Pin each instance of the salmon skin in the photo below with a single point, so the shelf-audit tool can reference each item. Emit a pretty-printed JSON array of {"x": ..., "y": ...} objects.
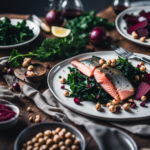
[
  {"x": 86, "y": 66},
  {"x": 111, "y": 79}
]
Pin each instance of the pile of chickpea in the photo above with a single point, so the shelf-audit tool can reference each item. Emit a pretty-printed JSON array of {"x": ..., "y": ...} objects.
[
  {"x": 58, "y": 139},
  {"x": 135, "y": 36}
]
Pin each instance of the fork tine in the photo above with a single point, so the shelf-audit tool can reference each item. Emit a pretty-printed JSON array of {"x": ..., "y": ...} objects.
[
  {"x": 128, "y": 52},
  {"x": 118, "y": 52}
]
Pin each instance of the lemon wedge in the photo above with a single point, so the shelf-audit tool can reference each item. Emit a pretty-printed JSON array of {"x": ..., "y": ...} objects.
[{"x": 60, "y": 32}]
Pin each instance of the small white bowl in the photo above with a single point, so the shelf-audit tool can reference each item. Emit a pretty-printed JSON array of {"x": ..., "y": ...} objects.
[{"x": 4, "y": 125}]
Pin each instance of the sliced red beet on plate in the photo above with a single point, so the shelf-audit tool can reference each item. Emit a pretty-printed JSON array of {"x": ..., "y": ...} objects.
[
  {"x": 140, "y": 25},
  {"x": 147, "y": 78},
  {"x": 142, "y": 90}
]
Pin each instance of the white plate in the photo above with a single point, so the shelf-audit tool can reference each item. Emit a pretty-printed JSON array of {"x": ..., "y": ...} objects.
[
  {"x": 88, "y": 108},
  {"x": 120, "y": 24},
  {"x": 36, "y": 32}
]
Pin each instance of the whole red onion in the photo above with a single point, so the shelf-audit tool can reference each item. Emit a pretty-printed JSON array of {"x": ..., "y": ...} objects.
[
  {"x": 16, "y": 86},
  {"x": 98, "y": 35},
  {"x": 54, "y": 18}
]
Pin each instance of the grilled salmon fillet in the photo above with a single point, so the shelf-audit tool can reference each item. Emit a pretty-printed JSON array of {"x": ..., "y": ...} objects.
[{"x": 111, "y": 79}]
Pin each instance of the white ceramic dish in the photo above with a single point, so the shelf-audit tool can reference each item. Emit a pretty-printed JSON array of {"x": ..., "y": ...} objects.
[
  {"x": 36, "y": 31},
  {"x": 88, "y": 108},
  {"x": 4, "y": 125},
  {"x": 120, "y": 24}
]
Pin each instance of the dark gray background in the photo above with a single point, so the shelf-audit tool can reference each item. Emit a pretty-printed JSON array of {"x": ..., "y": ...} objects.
[{"x": 38, "y": 7}]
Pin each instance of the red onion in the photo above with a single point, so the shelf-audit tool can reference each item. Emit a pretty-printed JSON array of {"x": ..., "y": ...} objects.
[
  {"x": 54, "y": 18},
  {"x": 97, "y": 96},
  {"x": 118, "y": 107},
  {"x": 16, "y": 86},
  {"x": 143, "y": 104},
  {"x": 63, "y": 87},
  {"x": 89, "y": 86},
  {"x": 134, "y": 106},
  {"x": 10, "y": 71},
  {"x": 138, "y": 66},
  {"x": 77, "y": 100},
  {"x": 98, "y": 35}
]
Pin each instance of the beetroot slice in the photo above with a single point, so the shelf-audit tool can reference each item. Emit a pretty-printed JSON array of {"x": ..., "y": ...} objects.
[
  {"x": 142, "y": 90},
  {"x": 142, "y": 32},
  {"x": 140, "y": 25},
  {"x": 132, "y": 21},
  {"x": 147, "y": 78}
]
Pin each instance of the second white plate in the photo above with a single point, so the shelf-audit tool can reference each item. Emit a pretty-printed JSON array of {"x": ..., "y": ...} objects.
[
  {"x": 120, "y": 24},
  {"x": 88, "y": 108}
]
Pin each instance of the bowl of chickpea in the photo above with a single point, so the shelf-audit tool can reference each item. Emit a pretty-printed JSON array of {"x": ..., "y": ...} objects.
[{"x": 50, "y": 136}]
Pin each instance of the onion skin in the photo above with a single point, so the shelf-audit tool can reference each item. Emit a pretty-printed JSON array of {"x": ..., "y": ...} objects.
[
  {"x": 54, "y": 18},
  {"x": 98, "y": 35}
]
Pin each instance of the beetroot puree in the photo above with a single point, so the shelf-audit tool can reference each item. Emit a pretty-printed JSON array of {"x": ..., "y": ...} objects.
[{"x": 6, "y": 113}]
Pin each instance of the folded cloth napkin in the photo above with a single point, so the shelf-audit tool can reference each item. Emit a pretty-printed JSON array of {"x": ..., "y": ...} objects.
[{"x": 106, "y": 138}]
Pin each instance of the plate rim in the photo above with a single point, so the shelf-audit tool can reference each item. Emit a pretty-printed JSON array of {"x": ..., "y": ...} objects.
[
  {"x": 118, "y": 29},
  {"x": 83, "y": 113},
  {"x": 24, "y": 43}
]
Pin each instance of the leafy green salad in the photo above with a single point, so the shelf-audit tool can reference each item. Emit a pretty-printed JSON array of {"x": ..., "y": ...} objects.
[{"x": 14, "y": 34}]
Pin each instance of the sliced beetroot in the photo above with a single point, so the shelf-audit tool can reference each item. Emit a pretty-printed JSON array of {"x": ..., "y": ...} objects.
[
  {"x": 142, "y": 32},
  {"x": 142, "y": 12},
  {"x": 140, "y": 25},
  {"x": 128, "y": 16},
  {"x": 143, "y": 104},
  {"x": 147, "y": 78},
  {"x": 132, "y": 21},
  {"x": 138, "y": 66},
  {"x": 63, "y": 87},
  {"x": 146, "y": 15},
  {"x": 97, "y": 96},
  {"x": 89, "y": 86},
  {"x": 118, "y": 107},
  {"x": 142, "y": 90},
  {"x": 77, "y": 100},
  {"x": 134, "y": 106}
]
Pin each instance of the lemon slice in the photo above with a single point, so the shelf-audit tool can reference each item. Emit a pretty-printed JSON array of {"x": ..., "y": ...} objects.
[{"x": 60, "y": 32}]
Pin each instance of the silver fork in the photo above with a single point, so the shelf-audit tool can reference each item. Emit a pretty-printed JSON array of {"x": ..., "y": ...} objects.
[{"x": 127, "y": 54}]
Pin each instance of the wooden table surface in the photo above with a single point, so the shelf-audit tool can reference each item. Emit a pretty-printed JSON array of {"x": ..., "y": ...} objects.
[{"x": 8, "y": 137}]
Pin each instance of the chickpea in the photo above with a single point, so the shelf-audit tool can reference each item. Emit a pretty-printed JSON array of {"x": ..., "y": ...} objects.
[
  {"x": 29, "y": 143},
  {"x": 36, "y": 148},
  {"x": 131, "y": 100},
  {"x": 143, "y": 98},
  {"x": 34, "y": 140},
  {"x": 134, "y": 35},
  {"x": 23, "y": 149},
  {"x": 56, "y": 138},
  {"x": 49, "y": 142},
  {"x": 28, "y": 60},
  {"x": 101, "y": 61},
  {"x": 43, "y": 147},
  {"x": 62, "y": 80},
  {"x": 31, "y": 74},
  {"x": 61, "y": 143},
  {"x": 36, "y": 145},
  {"x": 141, "y": 63},
  {"x": 137, "y": 77},
  {"x": 98, "y": 106},
  {"x": 41, "y": 141},
  {"x": 29, "y": 109},
  {"x": 143, "y": 39},
  {"x": 143, "y": 77},
  {"x": 57, "y": 130},
  {"x": 126, "y": 106},
  {"x": 46, "y": 137},
  {"x": 68, "y": 142},
  {"x": 108, "y": 104},
  {"x": 104, "y": 66},
  {"x": 115, "y": 102},
  {"x": 29, "y": 147},
  {"x": 112, "y": 108},
  {"x": 37, "y": 120},
  {"x": 109, "y": 62},
  {"x": 39, "y": 135},
  {"x": 24, "y": 144},
  {"x": 68, "y": 135},
  {"x": 63, "y": 130},
  {"x": 25, "y": 64},
  {"x": 25, "y": 59},
  {"x": 48, "y": 133},
  {"x": 66, "y": 93},
  {"x": 63, "y": 147},
  {"x": 4, "y": 70},
  {"x": 113, "y": 64},
  {"x": 148, "y": 72},
  {"x": 114, "y": 60},
  {"x": 38, "y": 116},
  {"x": 142, "y": 68},
  {"x": 75, "y": 147},
  {"x": 30, "y": 119},
  {"x": 73, "y": 137},
  {"x": 61, "y": 135},
  {"x": 76, "y": 142},
  {"x": 53, "y": 132},
  {"x": 55, "y": 147},
  {"x": 30, "y": 67}
]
